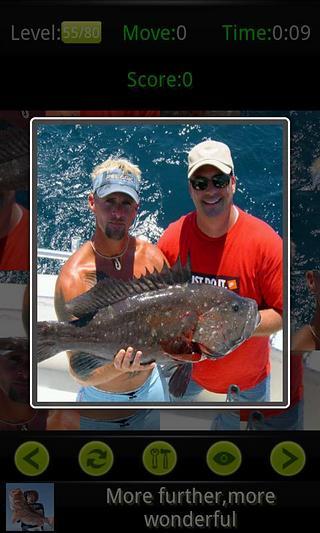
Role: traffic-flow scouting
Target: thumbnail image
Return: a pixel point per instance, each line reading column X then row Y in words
column 106, row 191
column 29, row 507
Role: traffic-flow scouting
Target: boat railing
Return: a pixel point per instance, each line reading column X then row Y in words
column 61, row 255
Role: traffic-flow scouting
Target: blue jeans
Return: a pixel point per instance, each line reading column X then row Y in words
column 230, row 420
column 291, row 419
column 259, row 393
column 154, row 389
column 144, row 419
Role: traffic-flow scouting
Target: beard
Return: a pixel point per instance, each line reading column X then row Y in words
column 115, row 233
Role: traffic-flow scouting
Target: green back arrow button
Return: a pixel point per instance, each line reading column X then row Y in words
column 31, row 458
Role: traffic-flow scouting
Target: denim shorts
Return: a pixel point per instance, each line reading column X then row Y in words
column 154, row 389
column 290, row 419
column 258, row 393
column 144, row 419
column 230, row 420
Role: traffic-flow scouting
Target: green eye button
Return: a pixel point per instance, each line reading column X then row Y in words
column 224, row 458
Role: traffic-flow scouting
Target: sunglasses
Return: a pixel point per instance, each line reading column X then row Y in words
column 201, row 183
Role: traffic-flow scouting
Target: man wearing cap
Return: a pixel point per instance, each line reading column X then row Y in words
column 112, row 252
column 232, row 249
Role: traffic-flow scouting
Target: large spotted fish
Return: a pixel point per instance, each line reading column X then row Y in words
column 162, row 314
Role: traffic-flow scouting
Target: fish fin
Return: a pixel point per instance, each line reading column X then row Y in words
column 91, row 279
column 109, row 291
column 168, row 368
column 179, row 380
column 83, row 321
column 11, row 344
column 83, row 364
column 14, row 143
column 49, row 339
column 182, row 273
column 46, row 350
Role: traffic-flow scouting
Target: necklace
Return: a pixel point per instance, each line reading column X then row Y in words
column 114, row 258
column 314, row 333
column 21, row 426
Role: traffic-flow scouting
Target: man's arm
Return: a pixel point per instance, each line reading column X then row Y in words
column 271, row 322
column 303, row 340
column 68, row 286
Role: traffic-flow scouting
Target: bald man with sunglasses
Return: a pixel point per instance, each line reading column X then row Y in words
column 232, row 249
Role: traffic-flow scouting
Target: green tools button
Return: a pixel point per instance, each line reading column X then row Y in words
column 96, row 458
column 224, row 458
column 159, row 458
column 287, row 458
column 31, row 458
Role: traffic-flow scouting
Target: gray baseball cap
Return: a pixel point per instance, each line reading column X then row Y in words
column 116, row 180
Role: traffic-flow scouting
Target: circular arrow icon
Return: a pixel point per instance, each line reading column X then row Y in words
column 96, row 458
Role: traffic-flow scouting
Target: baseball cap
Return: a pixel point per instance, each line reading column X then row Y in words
column 210, row 153
column 116, row 180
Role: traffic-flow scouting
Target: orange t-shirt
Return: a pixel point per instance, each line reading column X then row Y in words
column 248, row 260
column 14, row 247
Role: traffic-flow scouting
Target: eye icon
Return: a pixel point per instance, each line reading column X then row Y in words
column 224, row 458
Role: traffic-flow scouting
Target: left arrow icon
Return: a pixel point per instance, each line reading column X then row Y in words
column 28, row 458
column 32, row 458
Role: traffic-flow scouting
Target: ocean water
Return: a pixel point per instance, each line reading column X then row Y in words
column 67, row 154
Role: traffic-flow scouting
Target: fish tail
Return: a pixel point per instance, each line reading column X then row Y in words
column 48, row 339
column 179, row 380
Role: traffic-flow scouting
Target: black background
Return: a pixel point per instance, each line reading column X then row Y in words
column 282, row 75
column 80, row 500
column 227, row 75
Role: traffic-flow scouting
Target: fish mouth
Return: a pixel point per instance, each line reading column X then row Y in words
column 209, row 354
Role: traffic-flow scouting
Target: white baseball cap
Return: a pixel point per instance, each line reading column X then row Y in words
column 210, row 153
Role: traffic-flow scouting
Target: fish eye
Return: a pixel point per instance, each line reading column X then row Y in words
column 235, row 307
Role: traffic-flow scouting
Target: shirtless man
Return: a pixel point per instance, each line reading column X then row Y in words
column 113, row 252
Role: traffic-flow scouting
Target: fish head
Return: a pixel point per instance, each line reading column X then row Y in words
column 229, row 321
column 16, row 495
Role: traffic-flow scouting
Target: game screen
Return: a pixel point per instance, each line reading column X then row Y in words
column 159, row 265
